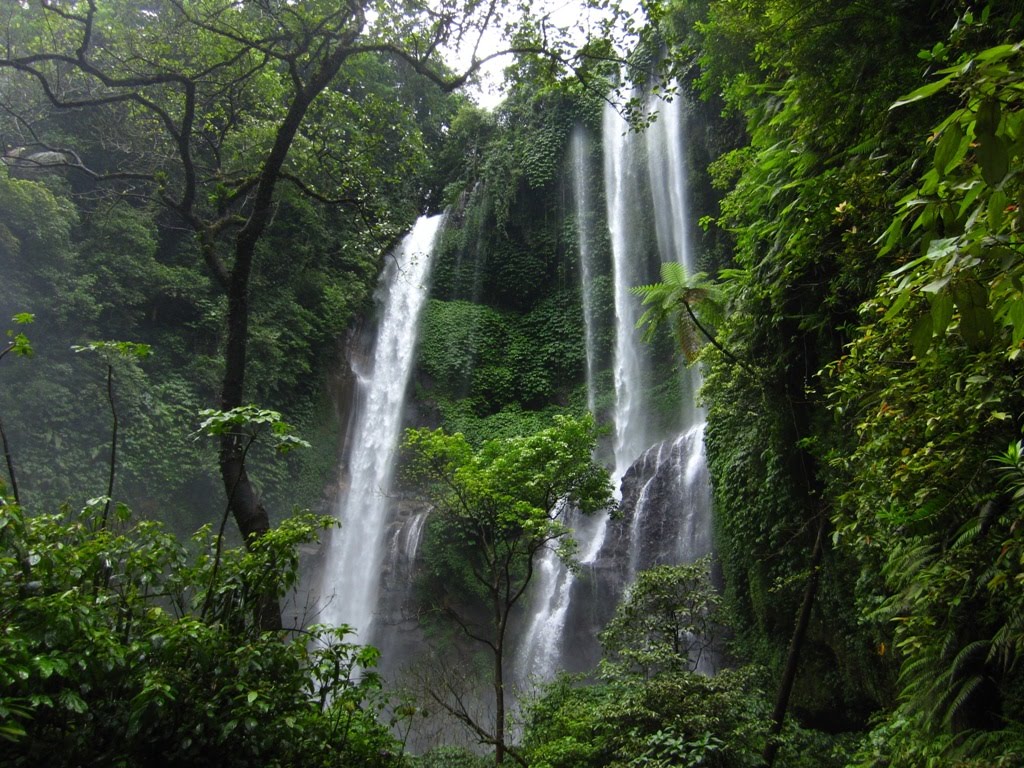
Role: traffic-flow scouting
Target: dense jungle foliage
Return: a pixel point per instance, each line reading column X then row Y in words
column 858, row 174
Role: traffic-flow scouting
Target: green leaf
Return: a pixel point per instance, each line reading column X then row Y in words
column 994, row 158
column 1015, row 313
column 987, row 120
column 942, row 312
column 996, row 210
column 923, row 92
column 976, row 320
column 921, row 335
column 946, row 151
column 998, row 52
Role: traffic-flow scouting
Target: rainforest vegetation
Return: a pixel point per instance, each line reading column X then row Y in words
column 196, row 199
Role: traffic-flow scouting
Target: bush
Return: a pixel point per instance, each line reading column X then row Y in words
column 121, row 645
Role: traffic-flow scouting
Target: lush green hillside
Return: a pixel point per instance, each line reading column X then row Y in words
column 859, row 182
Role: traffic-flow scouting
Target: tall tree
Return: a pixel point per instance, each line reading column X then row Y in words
column 496, row 509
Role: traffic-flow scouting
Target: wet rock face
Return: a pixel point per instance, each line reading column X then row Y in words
column 665, row 510
column 666, row 498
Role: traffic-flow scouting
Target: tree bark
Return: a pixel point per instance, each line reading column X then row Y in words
column 795, row 646
column 499, row 701
column 248, row 511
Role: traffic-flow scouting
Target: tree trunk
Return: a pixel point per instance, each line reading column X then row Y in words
column 499, row 702
column 795, row 646
column 246, row 508
column 500, row 614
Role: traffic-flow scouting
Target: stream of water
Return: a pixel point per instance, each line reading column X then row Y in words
column 353, row 562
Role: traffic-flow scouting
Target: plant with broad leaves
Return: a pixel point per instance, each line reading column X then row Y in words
column 19, row 345
column 688, row 303
column 496, row 509
column 666, row 622
column 250, row 422
column 964, row 216
column 107, row 657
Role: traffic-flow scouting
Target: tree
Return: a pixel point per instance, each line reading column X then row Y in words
column 214, row 105
column 690, row 304
column 664, row 624
column 211, row 103
column 123, row 645
column 495, row 510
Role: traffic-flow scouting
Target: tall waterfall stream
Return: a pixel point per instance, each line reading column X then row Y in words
column 353, row 562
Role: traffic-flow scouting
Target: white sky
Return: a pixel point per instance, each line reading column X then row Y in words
column 569, row 14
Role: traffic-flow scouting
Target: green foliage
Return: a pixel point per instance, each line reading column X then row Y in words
column 112, row 653
column 451, row 757
column 677, row 300
column 19, row 345
column 665, row 623
column 681, row 719
column 496, row 507
column 248, row 423
column 495, row 359
column 927, row 393
column 963, row 215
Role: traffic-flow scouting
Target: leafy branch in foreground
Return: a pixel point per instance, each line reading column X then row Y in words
column 246, row 424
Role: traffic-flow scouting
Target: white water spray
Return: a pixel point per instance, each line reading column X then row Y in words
column 351, row 577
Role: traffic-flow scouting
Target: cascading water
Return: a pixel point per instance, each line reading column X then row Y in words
column 351, row 576
column 581, row 189
column 664, row 489
column 622, row 197
column 666, row 168
column 666, row 165
column 540, row 648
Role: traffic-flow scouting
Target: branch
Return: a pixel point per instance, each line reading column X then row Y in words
column 113, row 444
column 714, row 342
column 10, row 464
column 313, row 194
column 450, row 612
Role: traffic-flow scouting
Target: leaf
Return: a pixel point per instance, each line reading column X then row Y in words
column 946, row 151
column 923, row 92
column 921, row 335
column 997, row 204
column 987, row 120
column 942, row 247
column 942, row 312
column 998, row 52
column 937, row 284
column 994, row 158
column 977, row 323
column 1015, row 313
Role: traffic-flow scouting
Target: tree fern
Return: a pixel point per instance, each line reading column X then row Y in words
column 691, row 306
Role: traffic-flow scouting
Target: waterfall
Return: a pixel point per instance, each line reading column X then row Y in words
column 540, row 650
column 622, row 199
column 581, row 192
column 666, row 166
column 663, row 488
column 670, row 496
column 351, row 574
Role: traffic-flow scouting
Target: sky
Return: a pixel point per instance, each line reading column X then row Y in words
column 569, row 14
